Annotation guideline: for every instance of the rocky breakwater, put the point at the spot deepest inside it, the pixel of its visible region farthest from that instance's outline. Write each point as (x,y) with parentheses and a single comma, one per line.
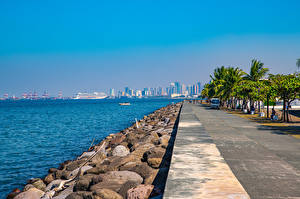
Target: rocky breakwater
(131,164)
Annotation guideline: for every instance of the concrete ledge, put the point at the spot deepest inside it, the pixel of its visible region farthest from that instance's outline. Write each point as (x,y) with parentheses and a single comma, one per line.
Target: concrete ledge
(197,169)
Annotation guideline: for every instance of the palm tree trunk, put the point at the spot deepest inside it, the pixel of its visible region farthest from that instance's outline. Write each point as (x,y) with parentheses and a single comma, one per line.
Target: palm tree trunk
(287,111)
(283,110)
(268,98)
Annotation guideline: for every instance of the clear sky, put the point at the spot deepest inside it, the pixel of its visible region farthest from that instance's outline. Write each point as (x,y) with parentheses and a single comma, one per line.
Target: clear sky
(96,45)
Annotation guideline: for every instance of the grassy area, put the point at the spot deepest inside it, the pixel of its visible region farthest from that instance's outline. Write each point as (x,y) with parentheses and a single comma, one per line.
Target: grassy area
(292,128)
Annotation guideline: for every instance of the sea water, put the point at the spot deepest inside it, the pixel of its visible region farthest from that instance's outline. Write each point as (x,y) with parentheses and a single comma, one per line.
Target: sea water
(39,134)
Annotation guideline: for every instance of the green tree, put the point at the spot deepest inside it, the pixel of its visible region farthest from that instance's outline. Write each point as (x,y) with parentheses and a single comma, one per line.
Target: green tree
(222,84)
(269,93)
(257,72)
(232,79)
(287,87)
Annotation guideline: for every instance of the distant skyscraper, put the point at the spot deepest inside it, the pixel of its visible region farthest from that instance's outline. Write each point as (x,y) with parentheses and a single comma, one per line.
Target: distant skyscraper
(171,88)
(127,90)
(112,92)
(159,91)
(177,88)
(199,88)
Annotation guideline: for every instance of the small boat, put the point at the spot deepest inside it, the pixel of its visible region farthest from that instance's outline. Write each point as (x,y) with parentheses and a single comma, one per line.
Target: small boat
(125,104)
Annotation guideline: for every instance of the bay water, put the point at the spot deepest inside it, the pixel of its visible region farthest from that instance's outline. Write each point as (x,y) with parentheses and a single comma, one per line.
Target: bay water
(40,134)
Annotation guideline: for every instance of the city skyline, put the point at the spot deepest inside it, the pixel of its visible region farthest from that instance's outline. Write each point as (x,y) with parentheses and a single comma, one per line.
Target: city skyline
(174,88)
(75,46)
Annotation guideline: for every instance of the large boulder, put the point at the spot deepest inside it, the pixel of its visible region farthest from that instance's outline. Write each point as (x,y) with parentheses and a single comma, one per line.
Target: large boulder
(151,176)
(80,195)
(32,193)
(128,166)
(86,154)
(53,184)
(52,170)
(75,172)
(102,168)
(140,192)
(120,151)
(37,183)
(49,178)
(83,183)
(98,158)
(117,139)
(118,162)
(58,174)
(28,186)
(75,164)
(114,180)
(152,137)
(164,141)
(141,149)
(131,139)
(125,187)
(74,195)
(107,194)
(63,194)
(154,156)
(143,170)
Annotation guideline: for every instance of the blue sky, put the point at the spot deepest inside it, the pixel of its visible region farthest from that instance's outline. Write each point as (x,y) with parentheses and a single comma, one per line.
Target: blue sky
(95,45)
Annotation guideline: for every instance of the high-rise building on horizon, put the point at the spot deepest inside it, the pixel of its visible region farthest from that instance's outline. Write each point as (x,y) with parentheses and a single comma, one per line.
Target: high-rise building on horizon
(112,92)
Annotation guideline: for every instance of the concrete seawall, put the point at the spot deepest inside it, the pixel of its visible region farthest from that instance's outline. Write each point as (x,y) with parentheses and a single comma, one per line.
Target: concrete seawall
(197,169)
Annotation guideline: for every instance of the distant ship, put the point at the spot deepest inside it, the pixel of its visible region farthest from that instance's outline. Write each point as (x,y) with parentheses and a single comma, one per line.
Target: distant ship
(125,104)
(94,95)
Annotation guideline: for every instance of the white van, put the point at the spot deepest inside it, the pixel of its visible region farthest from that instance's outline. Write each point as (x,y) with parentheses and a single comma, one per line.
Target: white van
(215,103)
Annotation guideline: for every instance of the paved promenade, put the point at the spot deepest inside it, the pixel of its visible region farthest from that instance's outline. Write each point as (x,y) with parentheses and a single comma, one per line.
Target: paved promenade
(197,169)
(264,163)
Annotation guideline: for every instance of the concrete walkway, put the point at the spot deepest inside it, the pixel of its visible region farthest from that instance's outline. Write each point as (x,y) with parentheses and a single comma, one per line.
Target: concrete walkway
(266,162)
(197,169)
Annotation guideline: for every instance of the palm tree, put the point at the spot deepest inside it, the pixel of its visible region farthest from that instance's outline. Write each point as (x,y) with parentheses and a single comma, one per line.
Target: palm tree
(219,73)
(232,79)
(257,71)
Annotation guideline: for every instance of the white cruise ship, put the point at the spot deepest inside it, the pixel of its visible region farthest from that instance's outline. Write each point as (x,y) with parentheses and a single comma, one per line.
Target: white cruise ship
(94,95)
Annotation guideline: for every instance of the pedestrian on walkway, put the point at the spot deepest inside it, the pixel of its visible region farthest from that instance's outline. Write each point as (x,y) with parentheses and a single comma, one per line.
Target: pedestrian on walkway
(273,113)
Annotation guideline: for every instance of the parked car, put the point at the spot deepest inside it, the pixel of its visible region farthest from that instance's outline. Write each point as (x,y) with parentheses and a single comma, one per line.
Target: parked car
(215,103)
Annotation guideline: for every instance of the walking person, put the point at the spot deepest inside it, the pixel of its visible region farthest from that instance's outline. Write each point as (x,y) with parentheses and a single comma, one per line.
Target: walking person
(273,113)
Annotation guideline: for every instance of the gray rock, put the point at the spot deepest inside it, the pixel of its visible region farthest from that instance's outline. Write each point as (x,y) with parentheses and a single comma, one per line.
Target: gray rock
(65,193)
(83,169)
(108,194)
(86,154)
(32,193)
(74,196)
(83,183)
(120,151)
(115,179)
(140,192)
(28,186)
(53,184)
(39,184)
(125,187)
(164,140)
(49,178)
